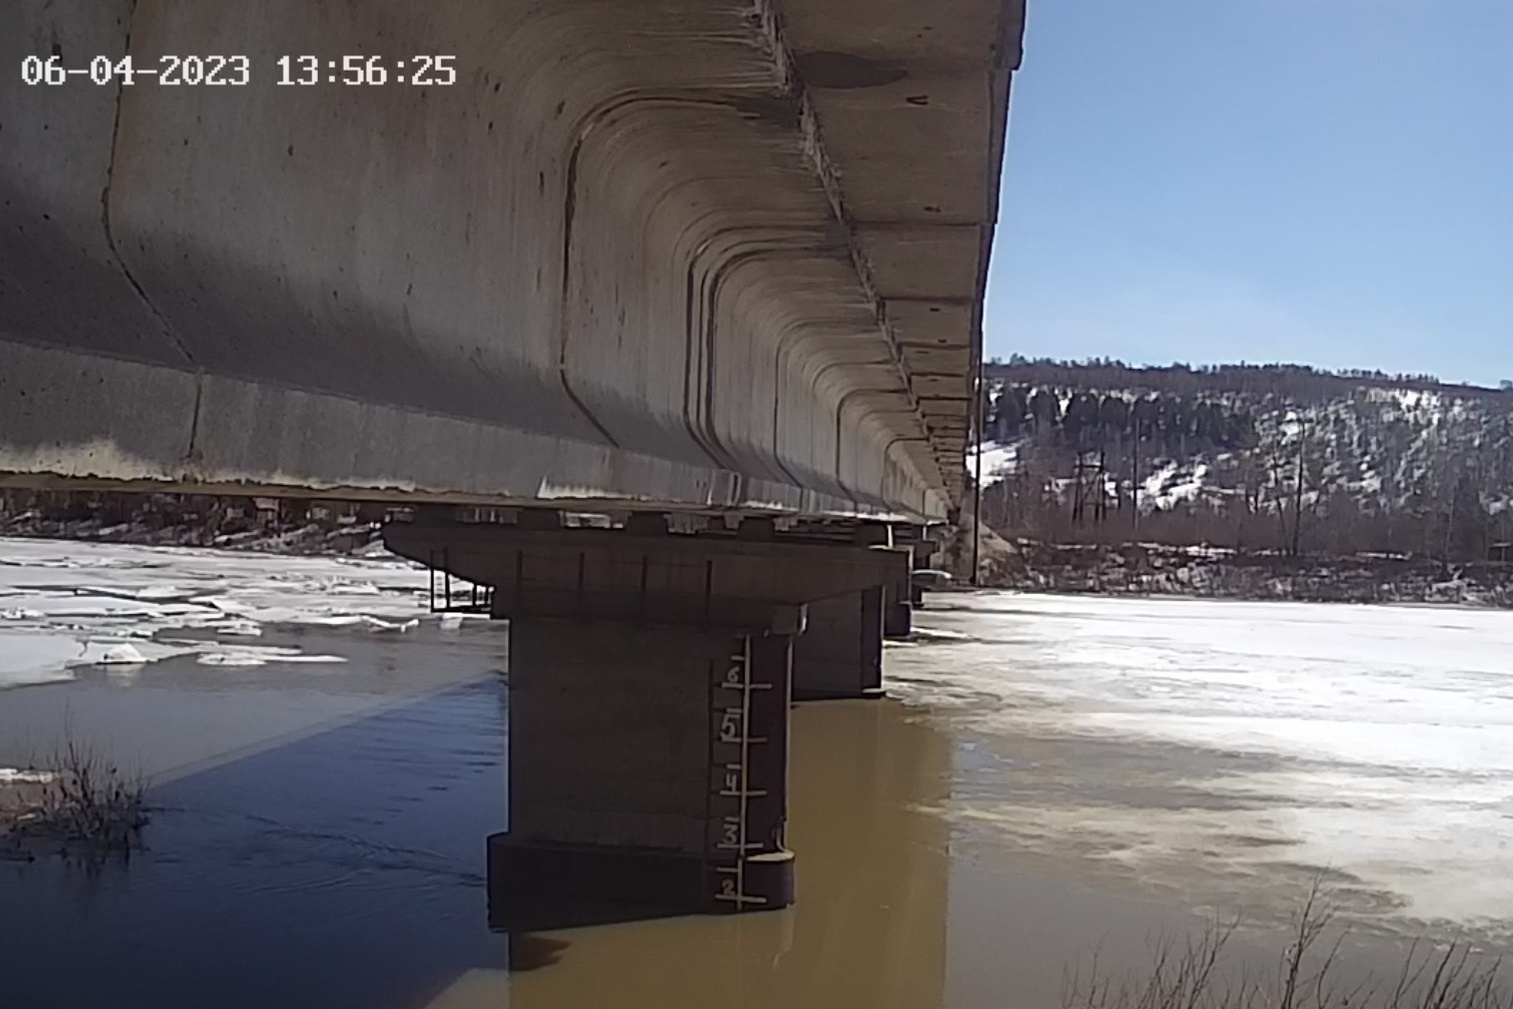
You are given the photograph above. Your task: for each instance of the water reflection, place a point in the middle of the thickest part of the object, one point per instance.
(869, 928)
(340, 869)
(344, 867)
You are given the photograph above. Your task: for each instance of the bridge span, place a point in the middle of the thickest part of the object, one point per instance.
(710, 271)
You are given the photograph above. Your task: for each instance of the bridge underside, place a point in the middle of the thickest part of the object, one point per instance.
(698, 254)
(640, 260)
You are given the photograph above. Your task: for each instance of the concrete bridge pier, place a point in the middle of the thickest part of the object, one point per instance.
(898, 601)
(650, 682)
(648, 763)
(840, 653)
(925, 554)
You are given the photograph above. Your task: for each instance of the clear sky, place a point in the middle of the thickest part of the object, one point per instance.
(1322, 181)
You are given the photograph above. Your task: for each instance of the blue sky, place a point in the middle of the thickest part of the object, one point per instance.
(1321, 181)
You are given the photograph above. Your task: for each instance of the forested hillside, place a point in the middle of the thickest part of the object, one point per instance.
(1277, 457)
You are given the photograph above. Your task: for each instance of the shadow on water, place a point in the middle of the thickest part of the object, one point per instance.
(529, 951)
(341, 869)
(526, 913)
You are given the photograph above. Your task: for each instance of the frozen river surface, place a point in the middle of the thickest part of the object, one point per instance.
(66, 606)
(1051, 775)
(1214, 749)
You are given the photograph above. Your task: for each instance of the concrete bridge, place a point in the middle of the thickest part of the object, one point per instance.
(664, 316)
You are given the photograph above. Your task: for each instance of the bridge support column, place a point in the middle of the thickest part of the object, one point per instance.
(650, 680)
(898, 603)
(924, 558)
(840, 653)
(648, 763)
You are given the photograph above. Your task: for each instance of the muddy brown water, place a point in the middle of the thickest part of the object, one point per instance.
(318, 842)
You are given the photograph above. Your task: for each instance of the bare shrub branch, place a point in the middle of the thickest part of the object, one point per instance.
(1195, 976)
(88, 803)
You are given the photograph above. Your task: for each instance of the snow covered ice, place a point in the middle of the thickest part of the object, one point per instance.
(67, 605)
(1217, 749)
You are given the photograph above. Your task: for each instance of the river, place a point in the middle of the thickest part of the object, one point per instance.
(1050, 777)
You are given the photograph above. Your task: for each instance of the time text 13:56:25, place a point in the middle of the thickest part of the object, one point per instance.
(236, 71)
(374, 70)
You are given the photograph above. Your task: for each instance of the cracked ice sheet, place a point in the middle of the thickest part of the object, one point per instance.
(28, 658)
(69, 604)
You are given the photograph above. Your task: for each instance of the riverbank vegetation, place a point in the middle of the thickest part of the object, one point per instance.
(1311, 973)
(82, 803)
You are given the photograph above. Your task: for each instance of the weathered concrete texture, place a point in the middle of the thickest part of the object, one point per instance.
(636, 772)
(898, 607)
(898, 596)
(618, 575)
(650, 680)
(710, 253)
(840, 653)
(608, 731)
(648, 762)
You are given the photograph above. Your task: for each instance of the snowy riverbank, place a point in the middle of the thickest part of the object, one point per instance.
(1205, 572)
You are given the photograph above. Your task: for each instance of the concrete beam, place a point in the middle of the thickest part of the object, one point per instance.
(612, 574)
(627, 256)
